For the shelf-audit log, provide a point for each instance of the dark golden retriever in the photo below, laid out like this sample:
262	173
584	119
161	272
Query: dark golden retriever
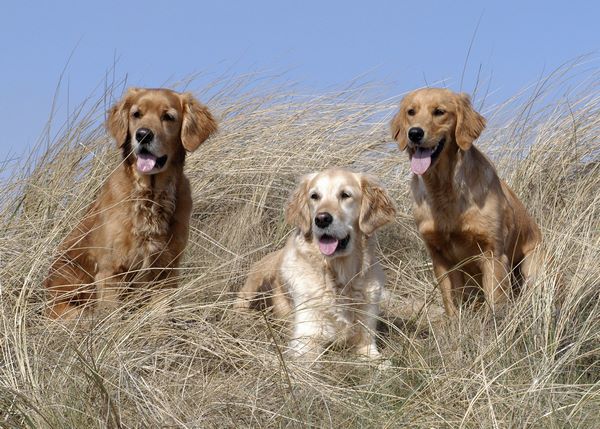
139	222
475	228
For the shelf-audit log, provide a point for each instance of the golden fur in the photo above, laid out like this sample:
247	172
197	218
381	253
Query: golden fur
140	219
474	226
330	296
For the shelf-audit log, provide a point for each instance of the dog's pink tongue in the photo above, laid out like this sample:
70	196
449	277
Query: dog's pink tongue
145	162
327	245
421	160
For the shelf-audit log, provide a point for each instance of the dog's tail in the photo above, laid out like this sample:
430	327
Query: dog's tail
263	287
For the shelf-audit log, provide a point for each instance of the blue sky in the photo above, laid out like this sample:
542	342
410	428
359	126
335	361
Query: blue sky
320	44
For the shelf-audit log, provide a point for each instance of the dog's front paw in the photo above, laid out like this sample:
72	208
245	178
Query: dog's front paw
369	351
304	350
242	305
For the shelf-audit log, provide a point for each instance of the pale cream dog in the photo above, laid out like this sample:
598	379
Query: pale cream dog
327	277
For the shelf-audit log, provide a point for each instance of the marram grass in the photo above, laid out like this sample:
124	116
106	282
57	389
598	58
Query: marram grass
206	365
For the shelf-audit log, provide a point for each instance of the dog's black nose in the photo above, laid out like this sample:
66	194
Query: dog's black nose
415	134
144	135
323	219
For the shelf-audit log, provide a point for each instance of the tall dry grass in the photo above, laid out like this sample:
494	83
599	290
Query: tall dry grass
207	365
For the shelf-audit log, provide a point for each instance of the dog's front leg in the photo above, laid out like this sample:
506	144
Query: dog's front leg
449	281
307	339
495	279
364	340
366	312
530	266
108	289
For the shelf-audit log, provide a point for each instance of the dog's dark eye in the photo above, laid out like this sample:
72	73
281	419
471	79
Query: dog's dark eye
438	112
169	117
345	195
314	196
411	112
137	114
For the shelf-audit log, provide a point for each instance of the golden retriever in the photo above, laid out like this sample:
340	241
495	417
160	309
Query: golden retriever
140	219
474	226
327	277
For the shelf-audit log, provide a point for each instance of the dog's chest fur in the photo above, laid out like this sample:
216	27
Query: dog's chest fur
152	214
456	214
332	288
148	217
345	289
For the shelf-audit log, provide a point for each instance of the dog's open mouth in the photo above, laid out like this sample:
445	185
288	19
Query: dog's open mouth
424	157
328	244
146	161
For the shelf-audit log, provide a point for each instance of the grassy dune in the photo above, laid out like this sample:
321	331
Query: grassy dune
209	366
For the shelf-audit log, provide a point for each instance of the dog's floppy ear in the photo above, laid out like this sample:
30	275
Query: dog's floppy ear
297	212
399	130
398	127
198	123
377	208
469	123
118	117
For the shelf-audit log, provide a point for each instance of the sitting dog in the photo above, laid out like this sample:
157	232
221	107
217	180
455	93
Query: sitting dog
327	276
473	224
139	222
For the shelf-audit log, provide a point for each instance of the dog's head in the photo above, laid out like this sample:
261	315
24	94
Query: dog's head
154	127
336	206
433	120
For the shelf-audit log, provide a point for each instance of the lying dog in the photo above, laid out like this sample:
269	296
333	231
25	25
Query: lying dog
327	276
472	223
140	219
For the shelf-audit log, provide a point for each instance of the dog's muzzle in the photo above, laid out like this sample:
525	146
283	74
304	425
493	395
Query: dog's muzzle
329	244
147	162
422	159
